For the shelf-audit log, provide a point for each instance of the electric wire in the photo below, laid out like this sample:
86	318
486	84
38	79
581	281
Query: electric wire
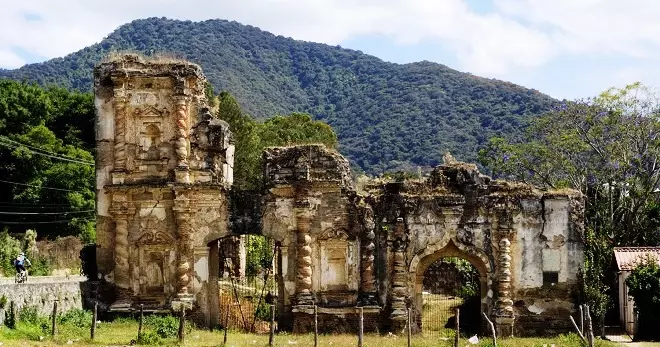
41	187
42	213
78	161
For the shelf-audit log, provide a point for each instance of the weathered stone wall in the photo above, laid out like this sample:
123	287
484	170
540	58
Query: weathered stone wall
391	233
63	254
164	165
68	292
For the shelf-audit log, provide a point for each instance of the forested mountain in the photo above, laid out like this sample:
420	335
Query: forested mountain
387	116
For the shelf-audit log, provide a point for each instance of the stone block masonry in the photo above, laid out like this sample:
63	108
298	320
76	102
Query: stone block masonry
68	292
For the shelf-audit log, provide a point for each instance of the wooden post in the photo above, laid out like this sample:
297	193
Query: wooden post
54	318
224	339
408	330
581	320
458	327
590	328
182	324
141	320
316	327
272	325
492	329
92	332
361	327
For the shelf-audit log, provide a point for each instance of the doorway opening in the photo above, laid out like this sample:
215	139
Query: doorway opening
450	283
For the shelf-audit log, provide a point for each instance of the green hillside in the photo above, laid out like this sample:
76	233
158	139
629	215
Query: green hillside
387	116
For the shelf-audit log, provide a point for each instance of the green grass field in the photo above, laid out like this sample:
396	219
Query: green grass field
121	332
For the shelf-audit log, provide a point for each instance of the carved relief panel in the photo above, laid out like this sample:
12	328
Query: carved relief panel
335	258
153	259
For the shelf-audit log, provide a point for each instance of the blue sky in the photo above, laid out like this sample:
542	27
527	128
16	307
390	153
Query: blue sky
565	48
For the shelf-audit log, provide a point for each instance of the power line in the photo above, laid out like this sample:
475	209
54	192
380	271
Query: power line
32	185
41	213
31	204
49	222
47	155
5	138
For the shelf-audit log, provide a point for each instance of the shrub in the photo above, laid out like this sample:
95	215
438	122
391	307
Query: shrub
76	317
9	249
644	286
40	267
10	317
164	326
149	338
3	302
29	315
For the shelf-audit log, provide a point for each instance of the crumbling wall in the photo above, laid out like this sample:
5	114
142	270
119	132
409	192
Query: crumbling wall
164	164
512	233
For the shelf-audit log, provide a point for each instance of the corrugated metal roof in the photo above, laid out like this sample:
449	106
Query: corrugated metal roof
627	257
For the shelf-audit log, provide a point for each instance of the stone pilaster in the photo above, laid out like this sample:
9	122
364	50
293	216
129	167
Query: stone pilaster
399	292
183	214
504	315
181	144
304	294
119	156
367	278
121	213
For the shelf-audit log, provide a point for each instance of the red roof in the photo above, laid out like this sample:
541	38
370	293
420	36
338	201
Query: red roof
628	257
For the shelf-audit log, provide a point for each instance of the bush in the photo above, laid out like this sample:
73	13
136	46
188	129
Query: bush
644	286
9	249
164	326
10	317
149	338
29	315
40	267
76	317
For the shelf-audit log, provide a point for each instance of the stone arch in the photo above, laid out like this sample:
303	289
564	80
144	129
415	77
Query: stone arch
449	247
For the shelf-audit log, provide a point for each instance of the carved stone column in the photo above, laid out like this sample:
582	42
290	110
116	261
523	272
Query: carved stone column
504	315
304	255
367	278
399	290
121	274
182	137
119	104
183	214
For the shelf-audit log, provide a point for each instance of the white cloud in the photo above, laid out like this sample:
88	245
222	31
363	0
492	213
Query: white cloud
10	60
520	35
477	39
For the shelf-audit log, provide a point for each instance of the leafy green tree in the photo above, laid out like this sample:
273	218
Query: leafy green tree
47	172
607	148
247	156
644	285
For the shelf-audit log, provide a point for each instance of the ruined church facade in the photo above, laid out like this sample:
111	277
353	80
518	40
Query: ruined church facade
164	169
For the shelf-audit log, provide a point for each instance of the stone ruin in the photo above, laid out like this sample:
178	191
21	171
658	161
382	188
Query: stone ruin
164	170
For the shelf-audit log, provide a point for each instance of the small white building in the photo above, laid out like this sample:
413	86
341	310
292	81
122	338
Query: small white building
626	260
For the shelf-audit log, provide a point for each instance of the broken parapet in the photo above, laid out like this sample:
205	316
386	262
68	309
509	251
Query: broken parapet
372	249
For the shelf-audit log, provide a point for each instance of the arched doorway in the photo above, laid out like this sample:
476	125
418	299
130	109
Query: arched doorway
434	300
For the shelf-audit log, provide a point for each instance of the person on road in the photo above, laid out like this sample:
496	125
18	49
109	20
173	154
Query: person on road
20	262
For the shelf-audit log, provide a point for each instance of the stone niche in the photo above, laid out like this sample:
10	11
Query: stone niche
345	248
164	166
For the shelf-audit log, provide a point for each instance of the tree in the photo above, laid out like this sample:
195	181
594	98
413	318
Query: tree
251	138
47	172
607	148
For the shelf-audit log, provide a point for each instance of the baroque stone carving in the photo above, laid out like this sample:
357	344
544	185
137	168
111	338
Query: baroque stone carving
181	144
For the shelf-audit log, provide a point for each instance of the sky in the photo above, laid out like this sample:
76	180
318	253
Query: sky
565	48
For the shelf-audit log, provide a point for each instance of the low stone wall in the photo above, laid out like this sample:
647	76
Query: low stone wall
42	292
